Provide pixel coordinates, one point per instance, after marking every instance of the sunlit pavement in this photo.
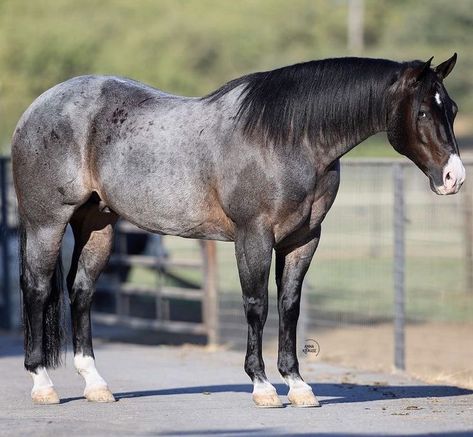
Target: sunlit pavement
(193, 391)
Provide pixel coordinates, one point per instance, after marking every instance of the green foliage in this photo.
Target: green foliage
(191, 47)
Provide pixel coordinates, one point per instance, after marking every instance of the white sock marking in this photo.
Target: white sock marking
(296, 383)
(437, 99)
(263, 387)
(85, 366)
(41, 380)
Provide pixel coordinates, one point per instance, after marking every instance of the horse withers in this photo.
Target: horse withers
(256, 162)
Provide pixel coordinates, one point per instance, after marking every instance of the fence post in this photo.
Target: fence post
(210, 302)
(5, 319)
(468, 235)
(399, 268)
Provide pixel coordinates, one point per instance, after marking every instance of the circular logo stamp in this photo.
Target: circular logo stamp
(311, 346)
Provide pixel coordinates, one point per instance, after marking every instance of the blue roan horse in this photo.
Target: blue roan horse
(255, 162)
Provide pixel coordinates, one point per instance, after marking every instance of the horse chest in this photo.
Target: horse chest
(312, 212)
(325, 193)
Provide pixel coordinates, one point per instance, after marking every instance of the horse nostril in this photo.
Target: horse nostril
(453, 174)
(449, 180)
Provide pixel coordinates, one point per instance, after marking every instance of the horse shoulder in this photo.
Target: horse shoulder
(325, 192)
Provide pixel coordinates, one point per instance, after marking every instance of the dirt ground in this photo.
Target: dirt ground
(435, 352)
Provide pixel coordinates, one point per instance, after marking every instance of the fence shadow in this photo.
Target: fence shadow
(10, 344)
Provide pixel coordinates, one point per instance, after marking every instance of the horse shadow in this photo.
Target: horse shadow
(334, 393)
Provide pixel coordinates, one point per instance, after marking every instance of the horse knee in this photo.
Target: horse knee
(36, 287)
(289, 308)
(82, 294)
(35, 295)
(256, 310)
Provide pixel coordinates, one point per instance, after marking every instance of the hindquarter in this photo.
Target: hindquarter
(49, 161)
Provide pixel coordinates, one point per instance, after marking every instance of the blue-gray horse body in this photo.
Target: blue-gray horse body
(256, 162)
(168, 164)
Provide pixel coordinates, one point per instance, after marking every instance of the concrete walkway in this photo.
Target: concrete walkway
(191, 391)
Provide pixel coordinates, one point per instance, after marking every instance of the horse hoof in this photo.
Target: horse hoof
(47, 396)
(99, 394)
(302, 397)
(267, 400)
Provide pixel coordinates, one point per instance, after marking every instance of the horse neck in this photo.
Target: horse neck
(367, 116)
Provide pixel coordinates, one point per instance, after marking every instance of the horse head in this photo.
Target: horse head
(420, 124)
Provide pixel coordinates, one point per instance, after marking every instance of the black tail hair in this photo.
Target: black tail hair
(53, 315)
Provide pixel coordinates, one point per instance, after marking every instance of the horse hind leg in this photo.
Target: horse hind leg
(42, 291)
(93, 234)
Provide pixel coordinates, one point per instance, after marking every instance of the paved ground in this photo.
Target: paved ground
(192, 391)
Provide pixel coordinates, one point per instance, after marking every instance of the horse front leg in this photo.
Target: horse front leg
(253, 248)
(291, 267)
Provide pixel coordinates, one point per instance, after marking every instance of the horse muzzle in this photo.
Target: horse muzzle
(453, 176)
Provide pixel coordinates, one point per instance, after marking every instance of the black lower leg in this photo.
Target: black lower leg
(34, 304)
(288, 306)
(81, 301)
(256, 310)
(41, 285)
(253, 249)
(93, 233)
(80, 294)
(291, 268)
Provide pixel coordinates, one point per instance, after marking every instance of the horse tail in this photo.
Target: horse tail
(53, 311)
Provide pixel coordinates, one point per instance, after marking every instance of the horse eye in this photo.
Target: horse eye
(422, 114)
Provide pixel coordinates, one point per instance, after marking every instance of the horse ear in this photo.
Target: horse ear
(444, 69)
(420, 72)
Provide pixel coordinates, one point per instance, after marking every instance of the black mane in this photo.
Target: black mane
(333, 100)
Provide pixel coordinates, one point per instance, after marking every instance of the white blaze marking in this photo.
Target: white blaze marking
(455, 165)
(437, 99)
(86, 368)
(41, 380)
